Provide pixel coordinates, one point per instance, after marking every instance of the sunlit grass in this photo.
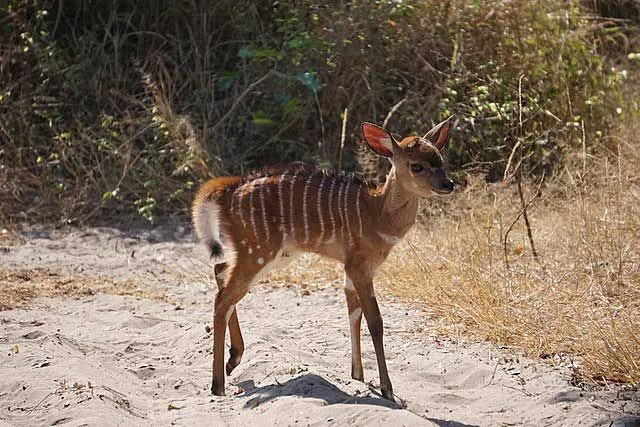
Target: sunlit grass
(579, 302)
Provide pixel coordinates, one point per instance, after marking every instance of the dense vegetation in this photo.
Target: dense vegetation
(122, 107)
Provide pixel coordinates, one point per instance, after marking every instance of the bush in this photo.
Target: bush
(112, 108)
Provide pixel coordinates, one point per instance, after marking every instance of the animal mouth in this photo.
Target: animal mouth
(441, 190)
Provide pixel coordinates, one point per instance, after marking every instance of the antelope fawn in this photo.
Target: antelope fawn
(252, 224)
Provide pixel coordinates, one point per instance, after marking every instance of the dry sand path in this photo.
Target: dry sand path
(108, 359)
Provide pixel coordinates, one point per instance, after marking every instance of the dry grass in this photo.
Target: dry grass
(581, 298)
(578, 304)
(21, 286)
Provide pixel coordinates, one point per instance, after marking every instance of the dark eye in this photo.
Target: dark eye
(417, 168)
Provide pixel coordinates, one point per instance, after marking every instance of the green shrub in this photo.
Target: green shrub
(112, 108)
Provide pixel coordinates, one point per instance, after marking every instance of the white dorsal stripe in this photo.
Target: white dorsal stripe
(330, 209)
(358, 196)
(305, 214)
(346, 211)
(291, 211)
(319, 205)
(339, 206)
(263, 184)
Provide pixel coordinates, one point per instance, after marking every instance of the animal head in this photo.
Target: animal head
(417, 160)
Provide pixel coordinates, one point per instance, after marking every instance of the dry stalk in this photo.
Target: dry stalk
(518, 174)
(236, 101)
(345, 116)
(392, 111)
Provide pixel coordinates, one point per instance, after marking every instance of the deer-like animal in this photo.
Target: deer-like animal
(252, 224)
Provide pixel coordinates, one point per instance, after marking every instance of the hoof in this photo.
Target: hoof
(357, 375)
(234, 359)
(388, 394)
(217, 389)
(231, 365)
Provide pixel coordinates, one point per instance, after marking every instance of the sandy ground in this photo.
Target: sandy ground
(144, 358)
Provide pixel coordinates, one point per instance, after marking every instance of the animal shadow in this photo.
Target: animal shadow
(309, 386)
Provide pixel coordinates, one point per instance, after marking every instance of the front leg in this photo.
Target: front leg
(355, 317)
(363, 284)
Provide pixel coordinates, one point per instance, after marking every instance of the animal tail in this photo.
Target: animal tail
(206, 220)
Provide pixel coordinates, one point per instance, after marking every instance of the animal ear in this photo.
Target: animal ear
(378, 138)
(439, 134)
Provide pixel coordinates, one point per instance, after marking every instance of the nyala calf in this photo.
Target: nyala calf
(253, 224)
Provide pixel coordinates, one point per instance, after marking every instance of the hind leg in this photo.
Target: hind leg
(237, 343)
(236, 286)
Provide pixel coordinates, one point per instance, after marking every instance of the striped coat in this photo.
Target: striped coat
(281, 211)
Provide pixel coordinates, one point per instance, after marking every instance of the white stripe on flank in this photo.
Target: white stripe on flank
(240, 197)
(330, 205)
(346, 211)
(305, 216)
(339, 204)
(319, 203)
(264, 211)
(292, 224)
(281, 199)
(358, 195)
(252, 210)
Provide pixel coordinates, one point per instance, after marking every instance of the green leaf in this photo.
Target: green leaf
(262, 54)
(290, 106)
(310, 80)
(246, 53)
(261, 118)
(228, 79)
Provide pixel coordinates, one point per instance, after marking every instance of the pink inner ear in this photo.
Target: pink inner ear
(443, 136)
(378, 139)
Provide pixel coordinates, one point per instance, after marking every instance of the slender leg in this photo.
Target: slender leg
(364, 287)
(236, 287)
(237, 343)
(355, 317)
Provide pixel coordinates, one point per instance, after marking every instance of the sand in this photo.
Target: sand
(95, 353)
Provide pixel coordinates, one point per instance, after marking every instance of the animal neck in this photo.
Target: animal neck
(399, 206)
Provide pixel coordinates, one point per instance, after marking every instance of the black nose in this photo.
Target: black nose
(449, 185)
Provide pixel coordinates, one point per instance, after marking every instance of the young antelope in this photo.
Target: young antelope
(253, 224)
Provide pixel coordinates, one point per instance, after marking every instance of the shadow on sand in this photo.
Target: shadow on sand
(310, 386)
(315, 387)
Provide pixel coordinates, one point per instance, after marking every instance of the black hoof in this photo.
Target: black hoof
(388, 394)
(217, 389)
(231, 365)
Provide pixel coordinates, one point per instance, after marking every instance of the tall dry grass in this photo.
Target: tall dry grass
(579, 302)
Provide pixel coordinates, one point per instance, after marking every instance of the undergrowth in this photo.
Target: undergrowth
(114, 109)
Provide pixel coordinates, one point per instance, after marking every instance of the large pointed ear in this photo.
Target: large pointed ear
(439, 134)
(378, 138)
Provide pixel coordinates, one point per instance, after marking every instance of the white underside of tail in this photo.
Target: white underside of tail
(207, 224)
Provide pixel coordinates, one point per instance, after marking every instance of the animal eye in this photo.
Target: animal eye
(417, 167)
